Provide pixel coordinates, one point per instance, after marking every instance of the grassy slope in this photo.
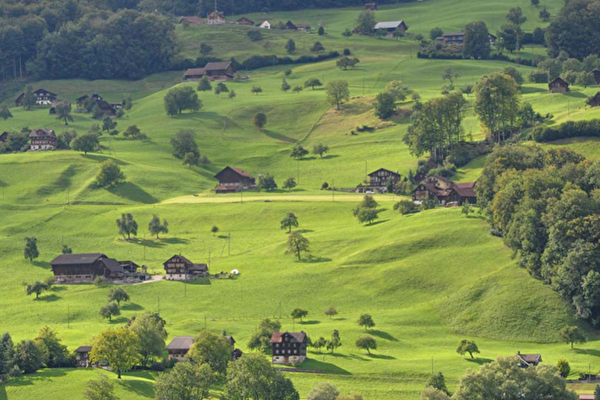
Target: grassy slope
(429, 279)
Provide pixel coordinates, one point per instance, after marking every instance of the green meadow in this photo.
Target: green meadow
(429, 279)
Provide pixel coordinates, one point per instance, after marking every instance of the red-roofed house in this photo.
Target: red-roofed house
(289, 347)
(233, 180)
(445, 191)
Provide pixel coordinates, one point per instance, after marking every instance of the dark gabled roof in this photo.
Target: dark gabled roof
(42, 132)
(194, 72)
(530, 358)
(238, 171)
(436, 191)
(383, 169)
(389, 24)
(83, 349)
(560, 81)
(453, 34)
(216, 14)
(217, 66)
(290, 25)
(199, 267)
(231, 340)
(74, 259)
(466, 189)
(44, 91)
(181, 343)
(113, 265)
(57, 103)
(244, 19)
(299, 337)
(192, 20)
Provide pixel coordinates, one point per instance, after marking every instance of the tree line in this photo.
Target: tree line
(546, 206)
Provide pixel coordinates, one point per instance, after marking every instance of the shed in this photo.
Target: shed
(244, 21)
(179, 347)
(390, 27)
(558, 85)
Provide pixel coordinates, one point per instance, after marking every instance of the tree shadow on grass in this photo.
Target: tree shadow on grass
(199, 282)
(577, 95)
(318, 365)
(479, 361)
(3, 184)
(28, 380)
(131, 307)
(304, 230)
(61, 183)
(279, 136)
(49, 298)
(99, 158)
(329, 156)
(383, 335)
(380, 356)
(133, 192)
(41, 264)
(531, 90)
(139, 387)
(117, 320)
(162, 242)
(589, 352)
(311, 322)
(377, 223)
(310, 259)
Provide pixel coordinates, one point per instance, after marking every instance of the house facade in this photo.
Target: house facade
(43, 97)
(233, 180)
(215, 18)
(42, 140)
(265, 25)
(458, 39)
(289, 348)
(389, 27)
(179, 347)
(445, 192)
(179, 268)
(558, 85)
(80, 268)
(382, 177)
(82, 356)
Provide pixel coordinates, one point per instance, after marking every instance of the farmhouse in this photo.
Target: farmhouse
(42, 140)
(43, 97)
(57, 103)
(290, 26)
(289, 348)
(265, 25)
(558, 85)
(458, 39)
(390, 27)
(4, 137)
(215, 71)
(78, 268)
(81, 100)
(594, 101)
(233, 180)
(82, 356)
(179, 347)
(382, 177)
(445, 192)
(179, 268)
(371, 6)
(215, 18)
(527, 360)
(244, 21)
(192, 20)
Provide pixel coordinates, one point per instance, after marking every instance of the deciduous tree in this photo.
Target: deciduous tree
(110, 174)
(186, 381)
(109, 310)
(31, 251)
(100, 389)
(87, 143)
(366, 320)
(117, 347)
(467, 346)
(366, 343)
(572, 335)
(127, 226)
(155, 227)
(338, 92)
(212, 349)
(297, 244)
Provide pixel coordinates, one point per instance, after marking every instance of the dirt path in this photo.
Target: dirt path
(315, 198)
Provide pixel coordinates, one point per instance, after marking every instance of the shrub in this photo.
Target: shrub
(569, 129)
(406, 207)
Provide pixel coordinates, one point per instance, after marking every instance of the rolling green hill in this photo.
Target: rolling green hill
(429, 279)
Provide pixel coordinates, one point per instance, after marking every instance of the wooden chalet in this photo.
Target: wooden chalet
(445, 192)
(214, 71)
(56, 103)
(192, 20)
(215, 18)
(558, 85)
(290, 26)
(42, 140)
(81, 100)
(390, 27)
(458, 39)
(244, 21)
(594, 101)
(82, 356)
(179, 268)
(79, 268)
(528, 360)
(43, 97)
(265, 25)
(382, 177)
(289, 348)
(233, 180)
(4, 137)
(371, 6)
(179, 347)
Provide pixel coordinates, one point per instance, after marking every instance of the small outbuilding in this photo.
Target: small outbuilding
(244, 21)
(56, 104)
(265, 25)
(529, 360)
(179, 347)
(390, 27)
(594, 101)
(559, 85)
(290, 26)
(82, 356)
(233, 180)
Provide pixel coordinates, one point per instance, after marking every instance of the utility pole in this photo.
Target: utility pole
(229, 245)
